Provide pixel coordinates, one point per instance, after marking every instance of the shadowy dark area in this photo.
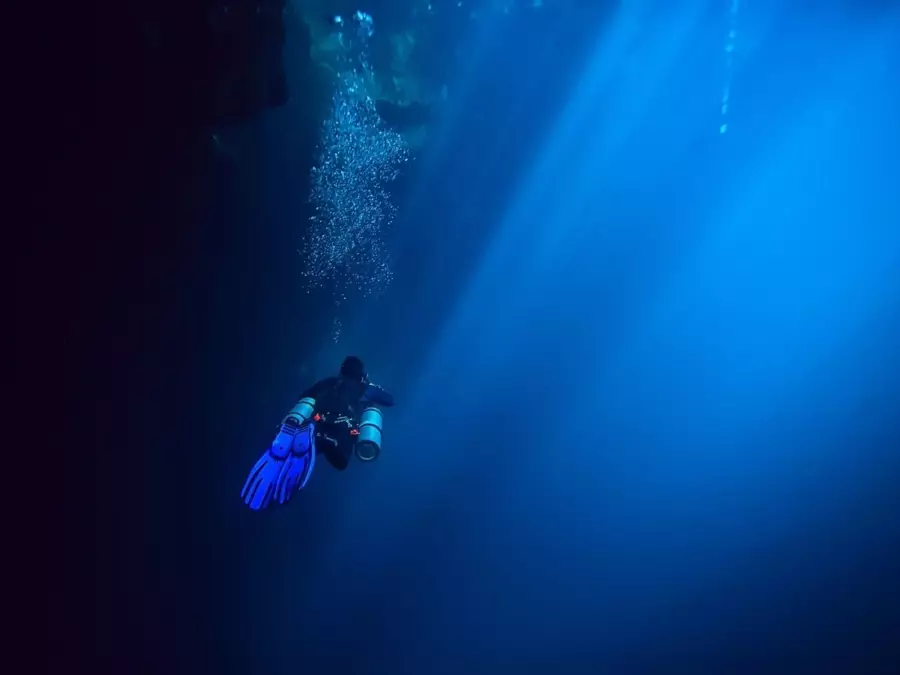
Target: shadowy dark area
(168, 256)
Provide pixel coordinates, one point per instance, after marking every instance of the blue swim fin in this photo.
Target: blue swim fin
(297, 469)
(260, 485)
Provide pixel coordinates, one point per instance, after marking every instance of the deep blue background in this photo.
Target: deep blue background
(647, 374)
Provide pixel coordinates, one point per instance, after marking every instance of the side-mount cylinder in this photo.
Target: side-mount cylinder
(368, 443)
(302, 412)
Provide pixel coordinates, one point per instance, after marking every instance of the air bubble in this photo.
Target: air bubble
(730, 44)
(358, 158)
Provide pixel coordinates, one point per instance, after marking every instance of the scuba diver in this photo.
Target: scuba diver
(334, 417)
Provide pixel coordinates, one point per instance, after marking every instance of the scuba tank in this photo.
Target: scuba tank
(302, 412)
(368, 443)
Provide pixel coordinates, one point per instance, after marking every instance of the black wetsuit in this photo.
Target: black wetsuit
(339, 403)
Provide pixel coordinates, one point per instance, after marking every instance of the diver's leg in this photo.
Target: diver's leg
(335, 454)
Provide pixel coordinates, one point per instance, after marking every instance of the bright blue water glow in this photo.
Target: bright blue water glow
(656, 425)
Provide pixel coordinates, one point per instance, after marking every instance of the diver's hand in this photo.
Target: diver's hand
(377, 395)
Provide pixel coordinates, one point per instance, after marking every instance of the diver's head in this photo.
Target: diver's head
(353, 368)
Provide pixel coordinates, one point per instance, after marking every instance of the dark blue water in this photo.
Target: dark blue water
(646, 371)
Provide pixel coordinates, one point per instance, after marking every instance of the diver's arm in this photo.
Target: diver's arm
(378, 396)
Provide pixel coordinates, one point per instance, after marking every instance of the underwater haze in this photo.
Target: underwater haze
(638, 299)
